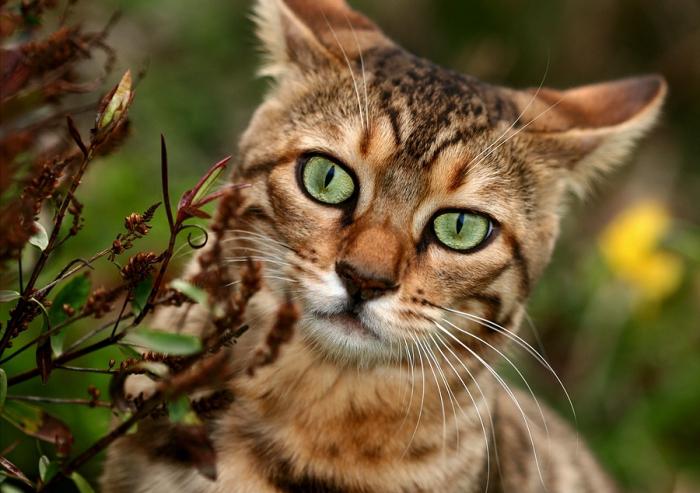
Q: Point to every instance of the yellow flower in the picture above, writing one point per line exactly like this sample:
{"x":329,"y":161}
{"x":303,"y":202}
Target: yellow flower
{"x":630,"y":246}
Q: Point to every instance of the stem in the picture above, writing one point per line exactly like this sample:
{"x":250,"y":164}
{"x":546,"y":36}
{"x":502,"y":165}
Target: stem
{"x":96,"y":331}
{"x":58,"y":400}
{"x":66,"y":357}
{"x":66,"y":275}
{"x":28,"y":290}
{"x":147,"y":408}
{"x":19,"y":269}
{"x":164,"y":183}
{"x":43,"y":335}
{"x":121,"y":312}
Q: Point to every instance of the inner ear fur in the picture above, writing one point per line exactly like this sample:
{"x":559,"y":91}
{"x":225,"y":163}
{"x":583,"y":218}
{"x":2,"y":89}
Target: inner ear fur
{"x":589,"y":129}
{"x":305,"y":34}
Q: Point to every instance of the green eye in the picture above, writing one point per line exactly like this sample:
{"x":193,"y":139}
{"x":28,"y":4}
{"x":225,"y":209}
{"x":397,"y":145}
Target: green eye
{"x":461,"y":230}
{"x":326,"y":181}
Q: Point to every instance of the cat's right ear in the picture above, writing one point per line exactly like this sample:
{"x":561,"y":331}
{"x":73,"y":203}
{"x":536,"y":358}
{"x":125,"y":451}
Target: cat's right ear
{"x":303,"y":35}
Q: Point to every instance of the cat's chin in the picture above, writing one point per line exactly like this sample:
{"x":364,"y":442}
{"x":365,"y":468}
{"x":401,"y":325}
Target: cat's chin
{"x":344,"y":338}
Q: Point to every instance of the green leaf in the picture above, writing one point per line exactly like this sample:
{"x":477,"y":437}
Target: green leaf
{"x":190,"y":290}
{"x":208,"y":183}
{"x":178,"y":409}
{"x":81,"y":483}
{"x":3,"y":387}
{"x":47,"y":469}
{"x":8,"y":488}
{"x":7,"y":295}
{"x":164,"y":342}
{"x":40,"y":239}
{"x":129,"y":352}
{"x":74,"y":295}
{"x":141,"y":293}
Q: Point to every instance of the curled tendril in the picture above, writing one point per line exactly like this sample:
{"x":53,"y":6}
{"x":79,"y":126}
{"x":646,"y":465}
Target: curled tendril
{"x":192,"y":242}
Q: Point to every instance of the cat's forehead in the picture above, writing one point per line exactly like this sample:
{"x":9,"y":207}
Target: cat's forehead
{"x":432,"y":92}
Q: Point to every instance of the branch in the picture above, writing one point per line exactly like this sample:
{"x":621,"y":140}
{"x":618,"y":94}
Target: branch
{"x":59,"y":400}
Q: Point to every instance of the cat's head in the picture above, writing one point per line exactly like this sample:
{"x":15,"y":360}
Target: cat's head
{"x":400,"y":203}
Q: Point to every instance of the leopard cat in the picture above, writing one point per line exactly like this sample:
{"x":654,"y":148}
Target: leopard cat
{"x":407,"y":210}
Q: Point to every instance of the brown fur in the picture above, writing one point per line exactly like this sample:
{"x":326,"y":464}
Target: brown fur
{"x":378,"y":398}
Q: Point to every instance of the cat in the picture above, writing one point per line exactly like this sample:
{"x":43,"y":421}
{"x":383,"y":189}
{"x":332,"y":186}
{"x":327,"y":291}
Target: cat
{"x":408,"y":210}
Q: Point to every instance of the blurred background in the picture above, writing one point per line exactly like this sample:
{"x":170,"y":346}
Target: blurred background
{"x":617,"y":313}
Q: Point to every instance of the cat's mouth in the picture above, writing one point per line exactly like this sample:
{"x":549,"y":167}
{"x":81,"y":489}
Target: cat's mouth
{"x":349,"y":322}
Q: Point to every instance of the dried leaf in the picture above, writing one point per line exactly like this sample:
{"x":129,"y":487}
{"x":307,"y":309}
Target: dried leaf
{"x":44,"y":356}
{"x":164,"y":342}
{"x":14,"y":472}
{"x":76,"y":135}
{"x":36,"y":422}
{"x":40,"y":239}
{"x":117,"y":104}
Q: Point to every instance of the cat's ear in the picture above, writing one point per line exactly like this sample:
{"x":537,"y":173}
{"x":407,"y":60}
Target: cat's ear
{"x":589,"y":129}
{"x":304,"y":34}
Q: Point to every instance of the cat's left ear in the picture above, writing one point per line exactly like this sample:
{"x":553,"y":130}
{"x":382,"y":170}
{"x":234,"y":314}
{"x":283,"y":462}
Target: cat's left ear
{"x":589,"y":129}
{"x":302,"y":35}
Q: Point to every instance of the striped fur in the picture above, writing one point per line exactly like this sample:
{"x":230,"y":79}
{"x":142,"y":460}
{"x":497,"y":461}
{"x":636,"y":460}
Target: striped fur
{"x":398,"y":399}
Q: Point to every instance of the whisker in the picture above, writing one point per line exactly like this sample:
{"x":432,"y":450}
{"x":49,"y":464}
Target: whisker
{"x":505,"y":132}
{"x":257,"y":250}
{"x":442,"y":401}
{"x":476,"y":407}
{"x":524,"y":345}
{"x":422,"y":397}
{"x":362,"y":65}
{"x":448,"y":389}
{"x":513,"y":365}
{"x":233,"y":260}
{"x":352,"y":73}
{"x":508,"y":391}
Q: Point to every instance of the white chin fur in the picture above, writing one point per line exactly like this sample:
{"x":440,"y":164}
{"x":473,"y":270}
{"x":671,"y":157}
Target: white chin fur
{"x":333,"y":339}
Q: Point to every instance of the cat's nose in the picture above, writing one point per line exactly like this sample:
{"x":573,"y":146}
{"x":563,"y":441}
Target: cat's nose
{"x":371,"y":262}
{"x":362,"y":286}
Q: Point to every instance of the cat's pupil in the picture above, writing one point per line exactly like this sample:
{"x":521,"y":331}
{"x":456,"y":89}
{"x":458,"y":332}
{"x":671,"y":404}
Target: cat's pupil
{"x":460,"y":222}
{"x":329,"y":176}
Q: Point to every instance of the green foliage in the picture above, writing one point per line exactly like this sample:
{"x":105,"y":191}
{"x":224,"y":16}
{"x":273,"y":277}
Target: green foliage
{"x":164,"y":342}
{"x":70,"y":299}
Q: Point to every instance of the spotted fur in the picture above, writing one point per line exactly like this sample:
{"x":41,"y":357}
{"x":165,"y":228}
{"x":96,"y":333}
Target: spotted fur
{"x":379,"y":390}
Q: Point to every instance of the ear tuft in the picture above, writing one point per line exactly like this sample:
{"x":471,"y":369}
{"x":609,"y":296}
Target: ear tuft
{"x":590,"y":129}
{"x":303,"y":34}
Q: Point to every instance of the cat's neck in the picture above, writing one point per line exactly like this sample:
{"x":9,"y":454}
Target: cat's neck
{"x":303,"y":409}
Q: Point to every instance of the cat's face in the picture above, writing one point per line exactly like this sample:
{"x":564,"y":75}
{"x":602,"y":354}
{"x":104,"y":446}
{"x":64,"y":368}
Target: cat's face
{"x":405,"y":205}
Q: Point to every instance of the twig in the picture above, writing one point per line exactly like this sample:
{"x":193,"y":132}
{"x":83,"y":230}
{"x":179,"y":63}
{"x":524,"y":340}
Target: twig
{"x":28,"y":291}
{"x":43,"y":335}
{"x":69,"y":356}
{"x":59,"y":400}
{"x":96,"y":331}
{"x":121,"y":312}
{"x":19,"y":269}
{"x":146,"y":409}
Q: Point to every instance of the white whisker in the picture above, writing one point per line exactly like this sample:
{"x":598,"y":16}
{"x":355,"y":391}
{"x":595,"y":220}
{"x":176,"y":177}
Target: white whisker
{"x":508,"y":391}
